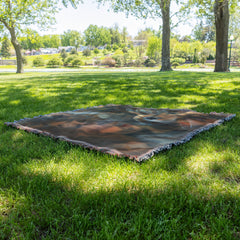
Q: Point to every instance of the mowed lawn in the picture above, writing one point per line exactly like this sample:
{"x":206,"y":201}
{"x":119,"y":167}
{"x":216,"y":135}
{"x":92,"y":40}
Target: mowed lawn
{"x":53,"y":190}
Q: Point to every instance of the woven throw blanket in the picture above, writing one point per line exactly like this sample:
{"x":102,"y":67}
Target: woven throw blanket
{"x":123,"y":130}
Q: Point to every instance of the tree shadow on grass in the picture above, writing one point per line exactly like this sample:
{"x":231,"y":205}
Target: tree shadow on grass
{"x":69,"y":91}
{"x":43,"y":205}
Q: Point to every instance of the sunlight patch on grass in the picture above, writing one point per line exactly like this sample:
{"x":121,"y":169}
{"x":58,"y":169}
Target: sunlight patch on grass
{"x":5,"y":207}
{"x":110,"y":98}
{"x":199,"y":163}
{"x":16,"y":136}
{"x":69,"y":174}
{"x":193,"y":98}
{"x":15,"y":102}
{"x":85,"y":178}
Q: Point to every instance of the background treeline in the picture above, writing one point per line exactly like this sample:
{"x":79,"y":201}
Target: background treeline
{"x":93,"y":36}
{"x":115,"y":47}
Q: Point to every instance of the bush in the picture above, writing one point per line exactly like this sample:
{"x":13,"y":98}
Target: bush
{"x":195,"y":59}
{"x":138,"y":62}
{"x":109,"y":61}
{"x":38,"y":62}
{"x":150,"y":62}
{"x":125,"y":50}
{"x":178,"y":60}
{"x":180,"y":54}
{"x":130,"y":63}
{"x":73,"y":61}
{"x":68,"y":60}
{"x":131,"y":46}
{"x":97,"y":62}
{"x":126,"y":58}
{"x":105,"y":52}
{"x":203,"y":59}
{"x":96,"y":50}
{"x":109,"y":48}
{"x":74,"y":51}
{"x":118,"y":52}
{"x":115,"y":46}
{"x":211,"y":57}
{"x":235,"y":55}
{"x":195,"y":56}
{"x":119,"y":60}
{"x":24,"y":60}
{"x":63,"y":54}
{"x":86,"y":52}
{"x":76,"y":62}
{"x":175,"y":64}
{"x":54,"y":62}
{"x":122,"y":45}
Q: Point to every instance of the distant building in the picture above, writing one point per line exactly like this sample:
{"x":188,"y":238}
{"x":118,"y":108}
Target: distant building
{"x":67,"y":48}
{"x":33,"y":52}
{"x":102,"y":47}
{"x":48,"y":50}
{"x":137,"y":43}
{"x":82,"y":48}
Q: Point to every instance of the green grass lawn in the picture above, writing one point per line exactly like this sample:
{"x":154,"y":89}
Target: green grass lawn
{"x":52,"y":190}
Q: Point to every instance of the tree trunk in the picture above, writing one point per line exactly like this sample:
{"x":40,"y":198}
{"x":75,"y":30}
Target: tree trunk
{"x":17,"y":48}
{"x":165,"y":8}
{"x":221,"y":12}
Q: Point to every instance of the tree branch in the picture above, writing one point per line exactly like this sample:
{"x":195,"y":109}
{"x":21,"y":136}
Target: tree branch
{"x":5,"y":23}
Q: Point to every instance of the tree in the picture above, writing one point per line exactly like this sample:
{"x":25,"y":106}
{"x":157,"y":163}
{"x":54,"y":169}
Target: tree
{"x":186,"y":38}
{"x":144,"y":9}
{"x":97,"y":36}
{"x":234,"y":25}
{"x":15,"y":15}
{"x":51,"y":41}
{"x":72,"y":38}
{"x":154,"y":48}
{"x":165,"y":9}
{"x":144,"y":35}
{"x":205,"y":32}
{"x":5,"y":49}
{"x":63,"y":54}
{"x":124,"y":35}
{"x":115,"y":35}
{"x":31,"y":41}
{"x":221,"y":10}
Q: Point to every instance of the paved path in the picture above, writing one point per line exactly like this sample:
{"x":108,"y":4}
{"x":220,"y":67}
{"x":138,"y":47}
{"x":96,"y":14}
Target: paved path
{"x":109,"y":70}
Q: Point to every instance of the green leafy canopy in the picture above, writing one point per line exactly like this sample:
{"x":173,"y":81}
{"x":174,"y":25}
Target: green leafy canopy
{"x":139,"y":8}
{"x":204,"y":6}
{"x":21,"y":13}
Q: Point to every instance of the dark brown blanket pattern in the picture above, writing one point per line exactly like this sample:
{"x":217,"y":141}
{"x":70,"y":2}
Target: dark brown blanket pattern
{"x":125,"y":131}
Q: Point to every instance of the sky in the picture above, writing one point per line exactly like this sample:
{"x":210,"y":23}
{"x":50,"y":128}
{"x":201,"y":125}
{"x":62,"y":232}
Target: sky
{"x":88,"y":13}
